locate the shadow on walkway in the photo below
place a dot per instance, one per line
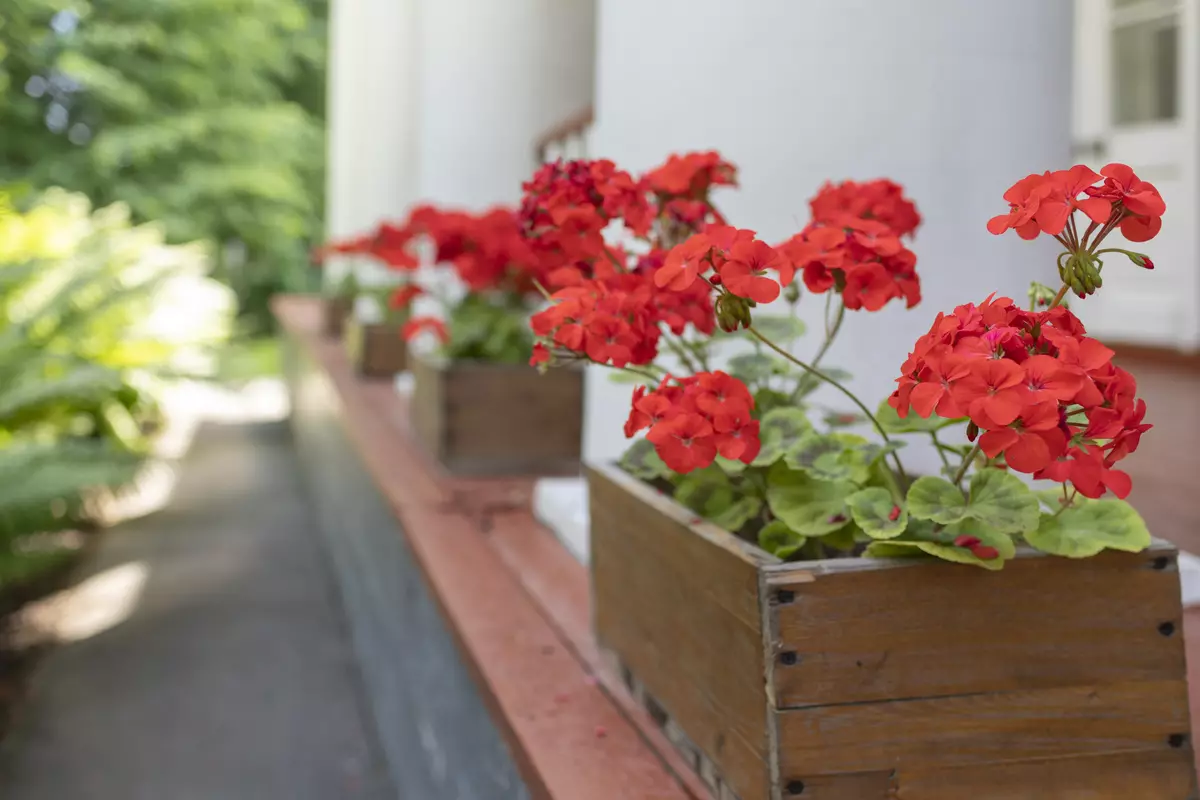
(205, 655)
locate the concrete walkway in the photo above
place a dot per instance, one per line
(204, 654)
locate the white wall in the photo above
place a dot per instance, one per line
(372, 113)
(956, 100)
(494, 75)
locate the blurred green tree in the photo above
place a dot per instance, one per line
(205, 115)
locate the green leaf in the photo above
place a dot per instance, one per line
(891, 422)
(840, 539)
(945, 549)
(998, 499)
(809, 506)
(780, 330)
(731, 466)
(1089, 527)
(809, 383)
(737, 513)
(778, 430)
(872, 510)
(843, 419)
(641, 461)
(751, 368)
(832, 456)
(936, 499)
(780, 540)
(767, 400)
(1003, 501)
(623, 376)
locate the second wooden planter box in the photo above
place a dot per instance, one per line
(376, 349)
(498, 419)
(864, 679)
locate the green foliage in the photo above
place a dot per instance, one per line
(489, 327)
(997, 499)
(808, 505)
(891, 422)
(779, 540)
(204, 116)
(833, 456)
(641, 461)
(873, 509)
(779, 430)
(1087, 527)
(95, 313)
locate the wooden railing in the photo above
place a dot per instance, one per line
(568, 139)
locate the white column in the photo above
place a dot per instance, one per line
(494, 75)
(372, 115)
(955, 100)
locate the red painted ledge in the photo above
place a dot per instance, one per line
(518, 604)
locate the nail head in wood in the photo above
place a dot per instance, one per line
(789, 658)
(785, 596)
(1177, 740)
(1167, 628)
(795, 787)
(1162, 562)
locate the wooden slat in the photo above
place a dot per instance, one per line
(936, 629)
(509, 419)
(863, 786)
(1157, 775)
(679, 605)
(428, 406)
(917, 735)
(384, 351)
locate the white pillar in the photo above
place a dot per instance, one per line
(955, 100)
(372, 115)
(494, 75)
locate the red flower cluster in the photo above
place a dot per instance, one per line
(739, 260)
(418, 325)
(863, 258)
(880, 200)
(568, 204)
(1046, 397)
(682, 184)
(358, 245)
(614, 318)
(1116, 196)
(488, 250)
(696, 418)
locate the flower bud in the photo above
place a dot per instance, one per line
(972, 431)
(715, 279)
(1141, 260)
(791, 292)
(732, 312)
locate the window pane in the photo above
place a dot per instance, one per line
(1146, 71)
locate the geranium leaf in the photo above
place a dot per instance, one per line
(1089, 527)
(832, 456)
(1003, 501)
(841, 539)
(735, 514)
(809, 383)
(731, 466)
(809, 506)
(767, 400)
(779, 330)
(641, 461)
(844, 419)
(622, 376)
(936, 499)
(780, 540)
(778, 430)
(889, 549)
(891, 422)
(944, 547)
(752, 367)
(873, 510)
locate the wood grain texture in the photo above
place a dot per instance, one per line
(982, 729)
(679, 604)
(1155, 775)
(863, 786)
(934, 629)
(334, 313)
(376, 349)
(499, 419)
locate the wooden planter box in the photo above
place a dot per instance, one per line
(335, 311)
(864, 679)
(498, 419)
(376, 349)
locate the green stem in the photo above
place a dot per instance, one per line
(830, 332)
(680, 352)
(853, 398)
(941, 453)
(966, 464)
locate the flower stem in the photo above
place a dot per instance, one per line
(853, 398)
(941, 453)
(966, 464)
(678, 349)
(831, 332)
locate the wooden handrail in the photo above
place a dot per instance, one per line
(573, 125)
